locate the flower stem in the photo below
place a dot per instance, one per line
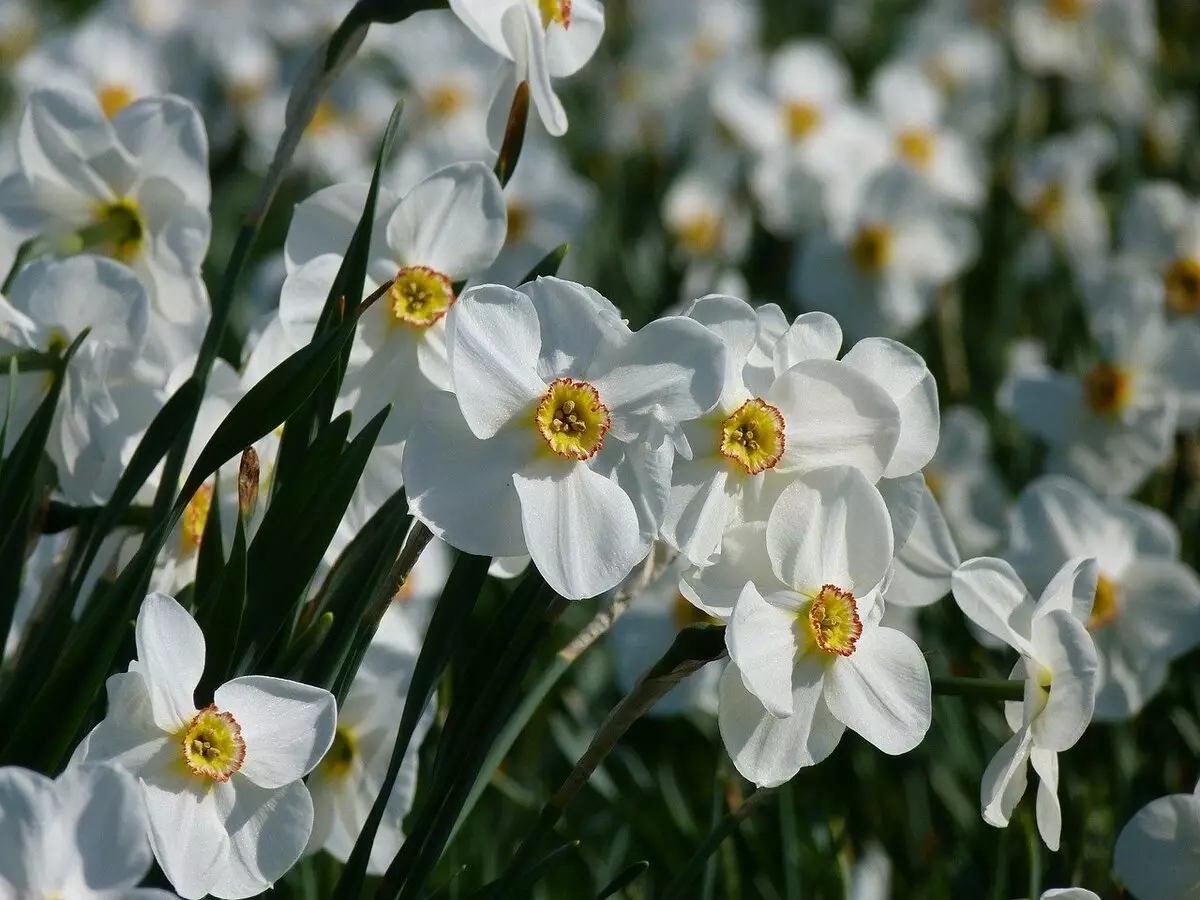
(979, 688)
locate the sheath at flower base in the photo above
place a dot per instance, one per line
(808, 657)
(228, 811)
(448, 228)
(559, 438)
(80, 836)
(544, 39)
(1058, 665)
(1147, 609)
(1155, 855)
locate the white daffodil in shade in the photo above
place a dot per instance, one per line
(446, 229)
(964, 481)
(544, 39)
(563, 425)
(347, 782)
(704, 212)
(1160, 228)
(1072, 37)
(1147, 609)
(818, 411)
(926, 555)
(1156, 855)
(1114, 424)
(1058, 665)
(911, 109)
(81, 835)
(1071, 893)
(641, 635)
(51, 302)
(878, 273)
(143, 176)
(228, 810)
(808, 657)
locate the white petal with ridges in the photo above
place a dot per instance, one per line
(761, 638)
(170, 653)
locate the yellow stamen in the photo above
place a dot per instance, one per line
(124, 220)
(571, 419)
(445, 100)
(871, 249)
(195, 516)
(420, 296)
(555, 11)
(831, 623)
(113, 98)
(1107, 390)
(700, 234)
(1107, 606)
(801, 118)
(212, 745)
(1182, 285)
(752, 436)
(916, 146)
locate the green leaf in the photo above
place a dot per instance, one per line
(220, 616)
(627, 877)
(444, 633)
(548, 265)
(210, 558)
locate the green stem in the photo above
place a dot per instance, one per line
(979, 688)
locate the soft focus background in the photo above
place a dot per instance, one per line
(642, 132)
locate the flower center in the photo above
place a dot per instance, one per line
(1067, 10)
(212, 745)
(325, 116)
(1047, 209)
(445, 100)
(123, 230)
(420, 296)
(685, 613)
(933, 481)
(341, 755)
(752, 436)
(113, 98)
(1107, 606)
(555, 11)
(571, 419)
(871, 248)
(1182, 284)
(518, 222)
(832, 624)
(195, 516)
(916, 146)
(801, 119)
(1107, 389)
(700, 234)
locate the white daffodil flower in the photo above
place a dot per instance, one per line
(548, 205)
(879, 273)
(104, 56)
(818, 411)
(81, 835)
(1157, 854)
(563, 426)
(964, 481)
(1055, 184)
(144, 175)
(1112, 426)
(1071, 37)
(228, 810)
(911, 109)
(1160, 228)
(641, 635)
(1059, 666)
(445, 230)
(46, 310)
(705, 214)
(544, 39)
(808, 657)
(1147, 609)
(871, 877)
(347, 782)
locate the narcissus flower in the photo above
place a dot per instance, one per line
(80, 836)
(1157, 851)
(563, 427)
(1058, 665)
(228, 811)
(1160, 229)
(808, 657)
(1147, 609)
(545, 39)
(965, 482)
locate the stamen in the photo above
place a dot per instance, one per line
(420, 296)
(832, 623)
(212, 745)
(753, 436)
(571, 419)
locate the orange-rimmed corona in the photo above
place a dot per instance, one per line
(752, 436)
(801, 119)
(916, 146)
(555, 11)
(1107, 389)
(212, 745)
(831, 621)
(195, 517)
(420, 296)
(571, 419)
